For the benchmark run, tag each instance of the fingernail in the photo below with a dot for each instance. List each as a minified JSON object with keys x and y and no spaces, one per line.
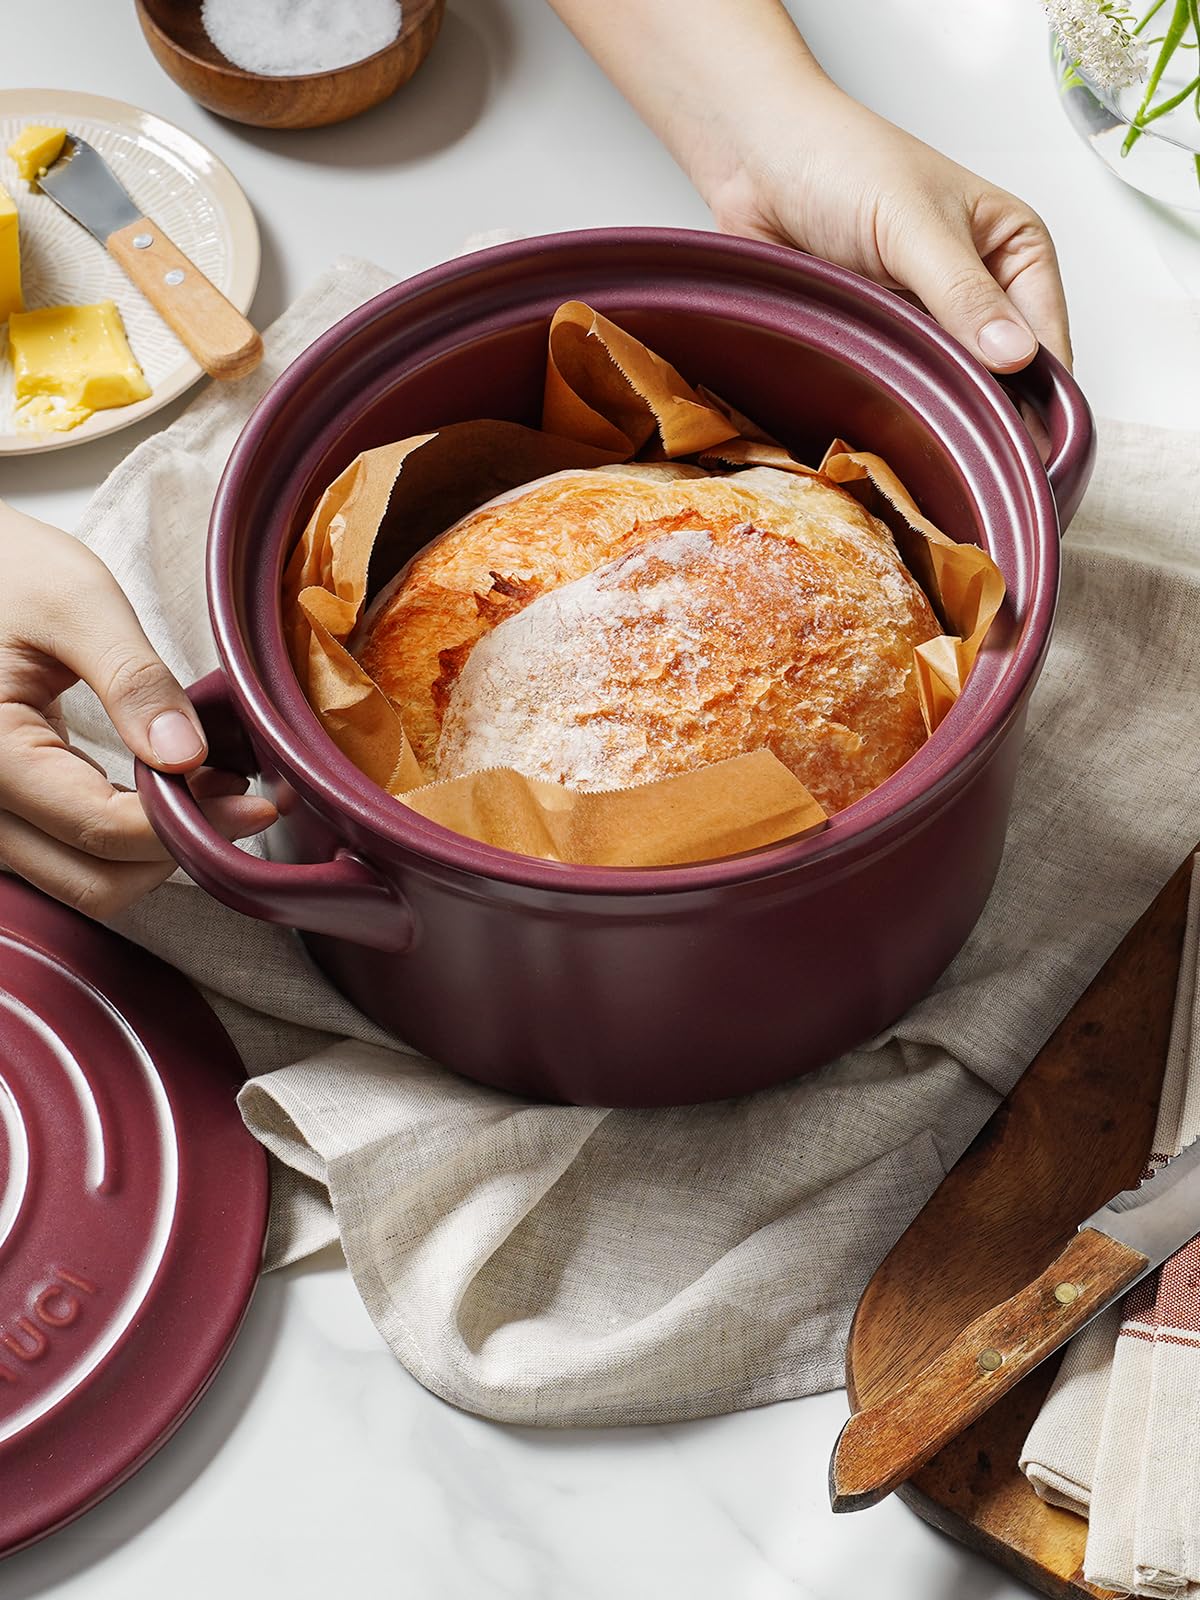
{"x":174,"y":739}
{"x":1005,"y":342}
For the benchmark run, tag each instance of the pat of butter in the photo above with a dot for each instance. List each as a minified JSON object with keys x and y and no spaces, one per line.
{"x":35,"y":148}
{"x":10,"y":258}
{"x":43,"y":413}
{"x":70,"y":361}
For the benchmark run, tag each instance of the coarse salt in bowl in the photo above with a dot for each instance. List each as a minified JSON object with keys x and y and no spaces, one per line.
{"x":290,"y":63}
{"x":289,"y":38}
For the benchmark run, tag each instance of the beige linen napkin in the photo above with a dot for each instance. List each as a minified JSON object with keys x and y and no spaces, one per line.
{"x":560,"y":1265}
{"x":1118,"y":1438}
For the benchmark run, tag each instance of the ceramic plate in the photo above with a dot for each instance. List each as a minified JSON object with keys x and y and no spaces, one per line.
{"x":133,"y":1208}
{"x":174,"y":180}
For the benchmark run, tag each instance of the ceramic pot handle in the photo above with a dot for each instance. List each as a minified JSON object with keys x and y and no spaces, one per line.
{"x":1052,"y":392}
{"x":342,"y":898}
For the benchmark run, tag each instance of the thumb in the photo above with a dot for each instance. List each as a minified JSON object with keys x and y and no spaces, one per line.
{"x":105,"y":646}
{"x":945,"y":270}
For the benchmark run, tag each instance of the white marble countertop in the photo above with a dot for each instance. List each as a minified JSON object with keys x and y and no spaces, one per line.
{"x":316,"y":1466}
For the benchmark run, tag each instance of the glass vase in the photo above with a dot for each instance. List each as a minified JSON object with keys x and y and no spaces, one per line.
{"x":1149,"y":133}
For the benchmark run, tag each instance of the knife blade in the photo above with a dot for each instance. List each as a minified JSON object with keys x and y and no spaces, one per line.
{"x":883,"y":1445}
{"x":200,"y":316}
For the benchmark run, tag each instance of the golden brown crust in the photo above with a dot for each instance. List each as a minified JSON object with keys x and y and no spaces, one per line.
{"x":641,"y":621}
{"x":545,"y":534}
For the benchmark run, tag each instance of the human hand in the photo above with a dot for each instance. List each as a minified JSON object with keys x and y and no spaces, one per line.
{"x":780,"y":153}
{"x":63,"y":825}
{"x":876,"y":200}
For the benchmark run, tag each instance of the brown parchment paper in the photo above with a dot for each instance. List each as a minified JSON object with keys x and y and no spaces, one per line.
{"x":690,"y":817}
{"x":962,"y":580}
{"x":607,"y":399}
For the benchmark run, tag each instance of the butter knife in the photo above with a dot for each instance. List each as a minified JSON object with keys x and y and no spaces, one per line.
{"x":196,"y":311}
{"x":883,"y":1445}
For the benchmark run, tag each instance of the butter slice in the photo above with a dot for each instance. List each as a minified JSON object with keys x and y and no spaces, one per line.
{"x":10,"y":258}
{"x":35,"y":148}
{"x":70,"y":361}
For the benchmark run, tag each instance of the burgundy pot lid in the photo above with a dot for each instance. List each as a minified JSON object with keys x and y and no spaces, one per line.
{"x":133,"y":1209}
{"x":268,"y":491}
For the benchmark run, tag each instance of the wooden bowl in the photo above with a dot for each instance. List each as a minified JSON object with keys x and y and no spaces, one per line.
{"x":182,"y":48}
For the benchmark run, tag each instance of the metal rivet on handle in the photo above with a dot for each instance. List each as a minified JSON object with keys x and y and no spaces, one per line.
{"x":142,"y":241}
{"x":989,"y":1360}
{"x":1067,"y":1293}
{"x":176,"y":275}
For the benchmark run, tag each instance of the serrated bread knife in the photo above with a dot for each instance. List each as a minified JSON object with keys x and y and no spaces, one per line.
{"x":883,"y":1445}
{"x":195,"y":310}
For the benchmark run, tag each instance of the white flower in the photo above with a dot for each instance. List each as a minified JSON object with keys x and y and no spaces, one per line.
{"x":1097,"y":35}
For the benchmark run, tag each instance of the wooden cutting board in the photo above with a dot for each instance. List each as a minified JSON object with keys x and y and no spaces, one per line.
{"x":1076,"y":1129}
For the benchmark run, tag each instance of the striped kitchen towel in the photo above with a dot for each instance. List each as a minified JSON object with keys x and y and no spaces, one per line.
{"x":1118,"y":1439}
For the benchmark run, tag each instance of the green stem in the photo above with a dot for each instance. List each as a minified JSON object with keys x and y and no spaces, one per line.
{"x":1194,"y":8}
{"x":1180,"y":18}
{"x":1175,"y":100}
{"x":1150,"y":15}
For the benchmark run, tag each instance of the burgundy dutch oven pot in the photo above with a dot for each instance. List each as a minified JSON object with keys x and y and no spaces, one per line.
{"x":654,"y":985}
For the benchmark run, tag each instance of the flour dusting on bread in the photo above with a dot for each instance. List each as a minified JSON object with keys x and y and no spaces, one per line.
{"x":609,"y":627}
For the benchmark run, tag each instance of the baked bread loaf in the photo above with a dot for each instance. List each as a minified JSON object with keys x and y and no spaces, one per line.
{"x":607,"y":627}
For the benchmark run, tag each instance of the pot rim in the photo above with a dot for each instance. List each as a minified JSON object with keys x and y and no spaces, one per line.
{"x":286,"y":725}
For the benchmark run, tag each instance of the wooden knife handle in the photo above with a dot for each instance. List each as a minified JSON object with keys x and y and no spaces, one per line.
{"x":881,"y":1447}
{"x":216,"y":333}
